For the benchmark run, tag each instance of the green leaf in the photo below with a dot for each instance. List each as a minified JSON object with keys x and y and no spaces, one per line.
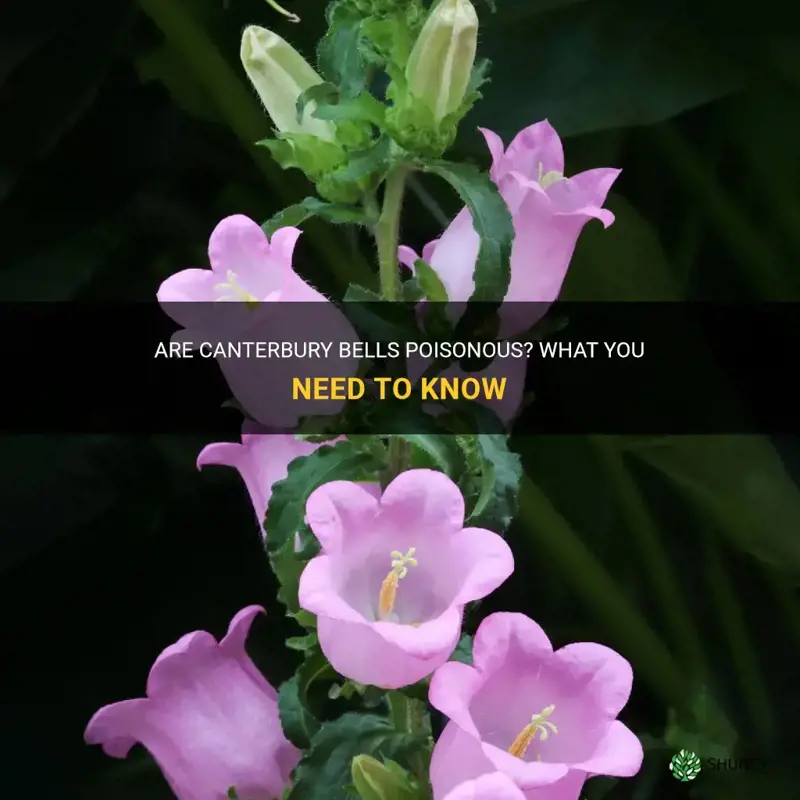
{"x":320,"y":93}
{"x":339,"y":54}
{"x":306,"y":620}
{"x":303,"y":643}
{"x":738,"y":482}
{"x":324,"y":770}
{"x":287,"y":566}
{"x":430,"y":283}
{"x":294,"y":216}
{"x":479,"y":76}
{"x":303,"y":151}
{"x":492,"y":222}
{"x":286,"y":510}
{"x":298,"y":720}
{"x":463,"y":651}
{"x":370,"y":160}
{"x":499,"y":484}
{"x":442,"y":448}
{"x":364,"y":108}
{"x":412,"y":291}
{"x":298,"y":723}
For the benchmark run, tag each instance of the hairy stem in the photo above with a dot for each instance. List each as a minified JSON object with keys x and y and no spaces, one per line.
{"x":387,"y":234}
{"x":387,"y":237}
{"x":409,"y":716}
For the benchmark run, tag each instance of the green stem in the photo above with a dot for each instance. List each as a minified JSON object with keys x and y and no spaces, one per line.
{"x":646,"y":539}
{"x":387,"y":233}
{"x":387,"y":237}
{"x":409,"y":716}
{"x":398,"y":705}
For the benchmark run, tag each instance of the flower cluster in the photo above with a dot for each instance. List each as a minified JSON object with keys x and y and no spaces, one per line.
{"x":382,"y":544}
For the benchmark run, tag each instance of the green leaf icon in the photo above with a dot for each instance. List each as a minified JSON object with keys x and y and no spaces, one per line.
{"x":684,"y":766}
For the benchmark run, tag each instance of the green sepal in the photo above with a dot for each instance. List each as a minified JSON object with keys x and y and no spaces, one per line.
{"x":312,"y":155}
{"x":371,"y":162}
{"x":463,"y":651}
{"x":319,"y":94}
{"x":296,"y":215}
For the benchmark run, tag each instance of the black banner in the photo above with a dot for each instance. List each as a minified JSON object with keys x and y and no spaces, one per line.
{"x":587,"y":368}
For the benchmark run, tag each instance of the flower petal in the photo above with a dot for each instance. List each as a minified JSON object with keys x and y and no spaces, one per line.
{"x":184,"y":295}
{"x":542,"y":249}
{"x":319,"y":593}
{"x":452,"y":687}
{"x":428,"y":640}
{"x":282,"y":244}
{"x":225,"y":454}
{"x":536,"y":145}
{"x":501,"y":631}
{"x":339,"y":510}
{"x":606,"y":675}
{"x":495,"y":786}
{"x":584,"y":193}
{"x":407,"y":257}
{"x":234,"y":643}
{"x":491,"y":562}
{"x":526,"y":774}
{"x":497,"y":149}
{"x":239,"y":244}
{"x":424,"y":500}
{"x":429,"y":250}
{"x":114,"y":727}
{"x":619,"y":753}
{"x":177,"y":658}
{"x":356,"y":651}
{"x":234,"y":640}
{"x":568,"y":788}
{"x":454,"y":258}
{"x":457,"y":757}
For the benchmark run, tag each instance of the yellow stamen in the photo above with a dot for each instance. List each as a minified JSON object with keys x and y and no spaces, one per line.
{"x":546,"y":179}
{"x":237,"y":292}
{"x":538,"y":724}
{"x":388,"y":594}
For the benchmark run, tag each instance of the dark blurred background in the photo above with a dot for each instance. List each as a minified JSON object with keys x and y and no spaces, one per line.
{"x":125,"y":135}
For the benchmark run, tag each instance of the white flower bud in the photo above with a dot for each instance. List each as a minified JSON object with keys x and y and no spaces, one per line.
{"x":440,"y":65}
{"x":280,"y":75}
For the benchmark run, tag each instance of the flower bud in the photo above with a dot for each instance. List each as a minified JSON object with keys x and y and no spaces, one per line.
{"x":280,"y":75}
{"x":440,"y":65}
{"x":376,"y":781}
